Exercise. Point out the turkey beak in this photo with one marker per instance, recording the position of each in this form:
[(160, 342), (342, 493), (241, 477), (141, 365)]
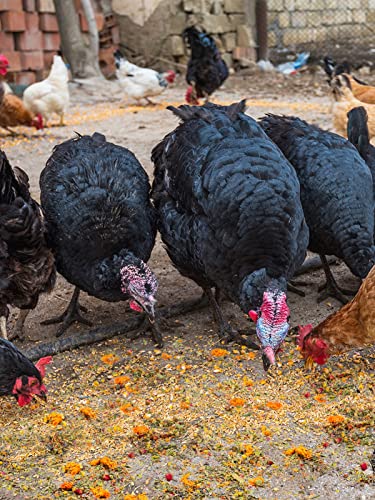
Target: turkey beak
[(266, 362), (149, 308)]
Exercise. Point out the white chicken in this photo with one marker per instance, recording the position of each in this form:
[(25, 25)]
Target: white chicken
[(141, 83), (50, 95)]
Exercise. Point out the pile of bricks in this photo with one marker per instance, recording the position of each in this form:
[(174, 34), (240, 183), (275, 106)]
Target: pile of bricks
[(29, 37)]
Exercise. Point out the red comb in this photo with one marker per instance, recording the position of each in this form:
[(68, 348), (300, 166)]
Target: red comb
[(302, 332), (41, 364)]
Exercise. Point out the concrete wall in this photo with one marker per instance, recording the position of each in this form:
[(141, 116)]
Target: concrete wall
[(293, 23), (151, 29)]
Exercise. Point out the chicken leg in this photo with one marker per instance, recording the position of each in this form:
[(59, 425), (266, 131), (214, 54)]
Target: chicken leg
[(226, 332), (330, 287), (70, 315), (62, 124)]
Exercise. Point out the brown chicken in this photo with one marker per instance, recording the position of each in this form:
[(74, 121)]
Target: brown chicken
[(344, 102), (13, 113), (350, 327), (361, 91)]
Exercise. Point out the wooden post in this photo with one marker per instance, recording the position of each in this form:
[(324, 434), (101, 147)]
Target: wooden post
[(262, 28)]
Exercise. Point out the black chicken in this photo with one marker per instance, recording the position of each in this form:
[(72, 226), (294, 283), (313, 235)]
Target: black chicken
[(332, 68), (101, 224), (336, 194), (230, 215), (206, 70), (26, 264), (19, 376)]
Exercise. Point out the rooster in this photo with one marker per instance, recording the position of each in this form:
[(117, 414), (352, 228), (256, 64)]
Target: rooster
[(206, 71), (350, 327), (50, 95), (13, 113), (101, 224), (230, 216), (19, 376), (26, 263), (141, 83)]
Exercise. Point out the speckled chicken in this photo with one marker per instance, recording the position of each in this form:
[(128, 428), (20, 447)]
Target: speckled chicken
[(230, 215), (336, 194), (101, 224), (19, 376), (27, 266), (350, 327)]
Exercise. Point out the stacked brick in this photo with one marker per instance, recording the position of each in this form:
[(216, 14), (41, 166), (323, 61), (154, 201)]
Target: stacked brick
[(29, 37)]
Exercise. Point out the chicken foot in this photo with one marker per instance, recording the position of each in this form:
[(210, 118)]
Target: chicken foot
[(226, 332), (330, 287), (70, 315)]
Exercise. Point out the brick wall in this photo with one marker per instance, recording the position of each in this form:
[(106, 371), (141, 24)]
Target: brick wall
[(151, 29), (29, 38), (315, 23)]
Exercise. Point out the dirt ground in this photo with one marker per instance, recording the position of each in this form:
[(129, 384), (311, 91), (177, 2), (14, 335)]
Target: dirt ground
[(213, 420)]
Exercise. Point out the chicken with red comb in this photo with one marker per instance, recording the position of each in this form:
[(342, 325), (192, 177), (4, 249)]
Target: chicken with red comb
[(4, 65), (19, 376), (351, 326)]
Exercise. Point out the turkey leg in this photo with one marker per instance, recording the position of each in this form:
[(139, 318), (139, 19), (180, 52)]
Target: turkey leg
[(69, 316), (330, 287), (226, 332)]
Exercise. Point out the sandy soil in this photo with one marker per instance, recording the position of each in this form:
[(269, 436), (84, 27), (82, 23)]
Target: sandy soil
[(202, 440)]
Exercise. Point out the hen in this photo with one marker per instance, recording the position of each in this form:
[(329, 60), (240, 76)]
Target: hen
[(336, 194), (141, 83), (344, 102), (360, 90), (352, 326), (19, 376), (26, 264), (230, 215), (13, 113), (206, 71), (101, 224), (50, 95)]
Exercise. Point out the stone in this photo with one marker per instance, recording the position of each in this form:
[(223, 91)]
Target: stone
[(178, 24), (51, 41), (32, 60), (276, 5), (6, 41), (177, 45), (229, 41), (298, 19), (25, 78), (14, 60), (245, 36), (216, 24), (15, 5), (32, 21), (284, 19), (234, 6), (28, 5), (192, 6), (45, 5), (29, 40), (242, 53), (216, 8), (228, 59), (48, 22)]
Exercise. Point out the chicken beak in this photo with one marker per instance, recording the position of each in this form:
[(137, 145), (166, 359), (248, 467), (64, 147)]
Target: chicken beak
[(309, 363), (42, 396)]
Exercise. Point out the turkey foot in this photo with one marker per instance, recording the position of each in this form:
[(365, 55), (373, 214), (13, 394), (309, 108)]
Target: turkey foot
[(226, 332), (69, 316), (147, 325), (331, 288)]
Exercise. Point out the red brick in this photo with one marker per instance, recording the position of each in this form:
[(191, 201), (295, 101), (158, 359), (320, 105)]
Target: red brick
[(48, 22), (32, 60), (14, 60), (29, 40), (48, 58), (6, 41), (51, 41), (13, 21), (244, 53), (32, 21), (99, 21), (29, 5), (107, 61), (25, 78), (10, 5)]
